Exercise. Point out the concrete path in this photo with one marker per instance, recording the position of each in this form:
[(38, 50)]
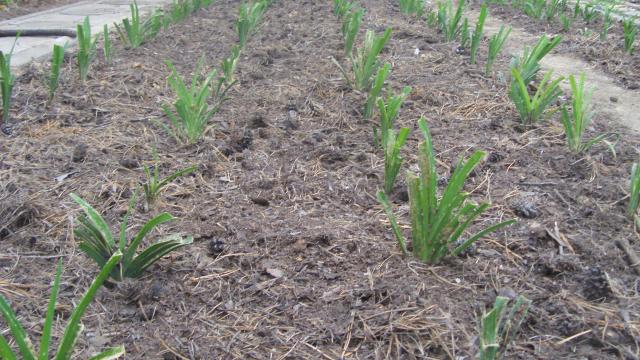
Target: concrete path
[(100, 12)]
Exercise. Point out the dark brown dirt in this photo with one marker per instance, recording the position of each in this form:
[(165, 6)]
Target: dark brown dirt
[(25, 7), (582, 40), (293, 257)]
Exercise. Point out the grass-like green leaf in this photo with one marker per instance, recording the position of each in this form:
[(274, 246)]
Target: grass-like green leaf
[(534, 108), (86, 48), (7, 79), (477, 33), (496, 42)]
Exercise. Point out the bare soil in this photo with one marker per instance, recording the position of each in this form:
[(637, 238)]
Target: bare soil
[(293, 257)]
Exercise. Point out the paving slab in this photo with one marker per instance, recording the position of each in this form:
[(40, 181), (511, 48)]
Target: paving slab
[(100, 12)]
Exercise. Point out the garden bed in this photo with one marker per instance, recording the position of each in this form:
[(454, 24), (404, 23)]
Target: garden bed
[(293, 256)]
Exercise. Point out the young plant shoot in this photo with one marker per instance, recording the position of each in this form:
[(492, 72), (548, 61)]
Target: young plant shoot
[(630, 30), (365, 63), (6, 82), (439, 223), (98, 243), (448, 21), (534, 108), (86, 48), (107, 48), (496, 42), (500, 326), (154, 184), (575, 123), (477, 33), (134, 32), (54, 77), (350, 28), (73, 329), (376, 89), (412, 7)]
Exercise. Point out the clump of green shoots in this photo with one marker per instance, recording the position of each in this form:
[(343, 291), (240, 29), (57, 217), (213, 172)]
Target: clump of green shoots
[(350, 27), (7, 79), (576, 123), (376, 89), (496, 42), (606, 23), (342, 7), (134, 31), (248, 18), (54, 77), (86, 48), (439, 223), (535, 8), (528, 64), (365, 62), (630, 30), (412, 7), (155, 184), (464, 33), (533, 108), (552, 8), (589, 13), (179, 10), (230, 64), (98, 243), (107, 48), (389, 141), (192, 108), (72, 330), (477, 33), (449, 21), (566, 22), (500, 326)]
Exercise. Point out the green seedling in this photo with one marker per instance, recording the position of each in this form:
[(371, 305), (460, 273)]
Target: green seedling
[(630, 31), (230, 64), (107, 48), (155, 184), (376, 89), (342, 8), (589, 13), (535, 8), (606, 23), (98, 243), (54, 77), (576, 124), (534, 108), (566, 22), (496, 42), (500, 326), (389, 111), (432, 18), (448, 21), (72, 330), (412, 7), (577, 10), (6, 82), (134, 32), (477, 33), (464, 33), (179, 11), (552, 8), (248, 18), (389, 141), (528, 64), (365, 62), (192, 108), (439, 223), (86, 48), (350, 27)]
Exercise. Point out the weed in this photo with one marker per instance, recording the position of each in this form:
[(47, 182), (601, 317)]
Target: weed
[(528, 64), (342, 7), (448, 21), (350, 27), (630, 31), (437, 225), (97, 242), (56, 61), (86, 48), (72, 330), (500, 326), (412, 7), (192, 110), (477, 33), (533, 108), (7, 79), (134, 31), (107, 49), (230, 64), (496, 43), (376, 88), (154, 184), (576, 124)]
